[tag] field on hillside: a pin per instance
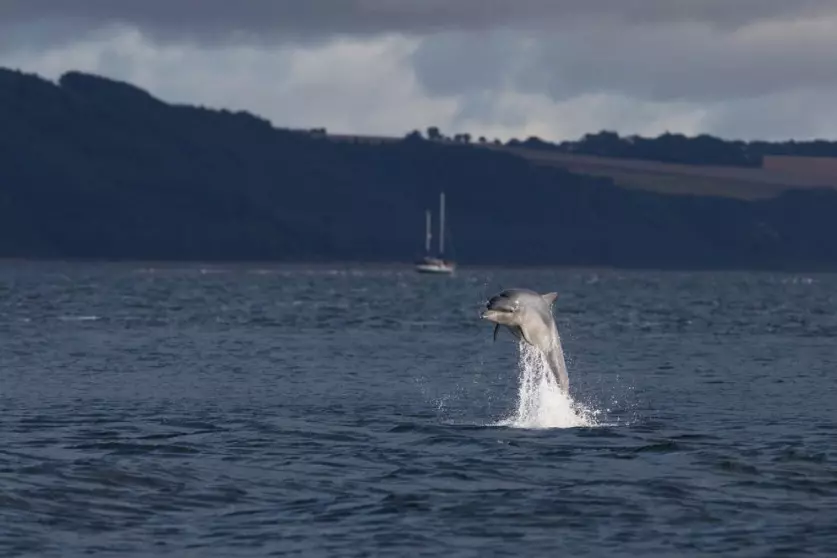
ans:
(733, 182)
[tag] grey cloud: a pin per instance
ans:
(668, 50)
(747, 65)
(464, 63)
(680, 62)
(484, 106)
(225, 19)
(801, 114)
(685, 64)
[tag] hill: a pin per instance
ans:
(703, 165)
(776, 175)
(94, 168)
(767, 175)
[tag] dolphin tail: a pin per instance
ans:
(559, 369)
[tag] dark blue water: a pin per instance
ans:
(359, 412)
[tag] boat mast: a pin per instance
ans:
(441, 224)
(427, 234)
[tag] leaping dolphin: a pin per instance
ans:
(528, 315)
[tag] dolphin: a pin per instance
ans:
(528, 315)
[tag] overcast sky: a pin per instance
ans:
(502, 68)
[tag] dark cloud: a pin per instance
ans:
(668, 50)
(742, 68)
(301, 18)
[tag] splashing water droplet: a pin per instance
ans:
(540, 402)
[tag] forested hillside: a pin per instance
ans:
(92, 168)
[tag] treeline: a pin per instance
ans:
(93, 168)
(703, 149)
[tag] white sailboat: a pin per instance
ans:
(436, 265)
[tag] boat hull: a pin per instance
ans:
(435, 269)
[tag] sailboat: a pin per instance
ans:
(430, 264)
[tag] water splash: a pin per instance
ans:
(540, 402)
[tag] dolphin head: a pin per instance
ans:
(503, 308)
(518, 309)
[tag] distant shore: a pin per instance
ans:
(96, 170)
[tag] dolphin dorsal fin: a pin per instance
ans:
(549, 297)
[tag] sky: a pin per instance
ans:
(556, 69)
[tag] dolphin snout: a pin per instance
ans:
(496, 315)
(490, 309)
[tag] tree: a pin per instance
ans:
(433, 133)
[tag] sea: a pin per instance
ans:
(251, 410)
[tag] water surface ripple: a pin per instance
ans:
(246, 411)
